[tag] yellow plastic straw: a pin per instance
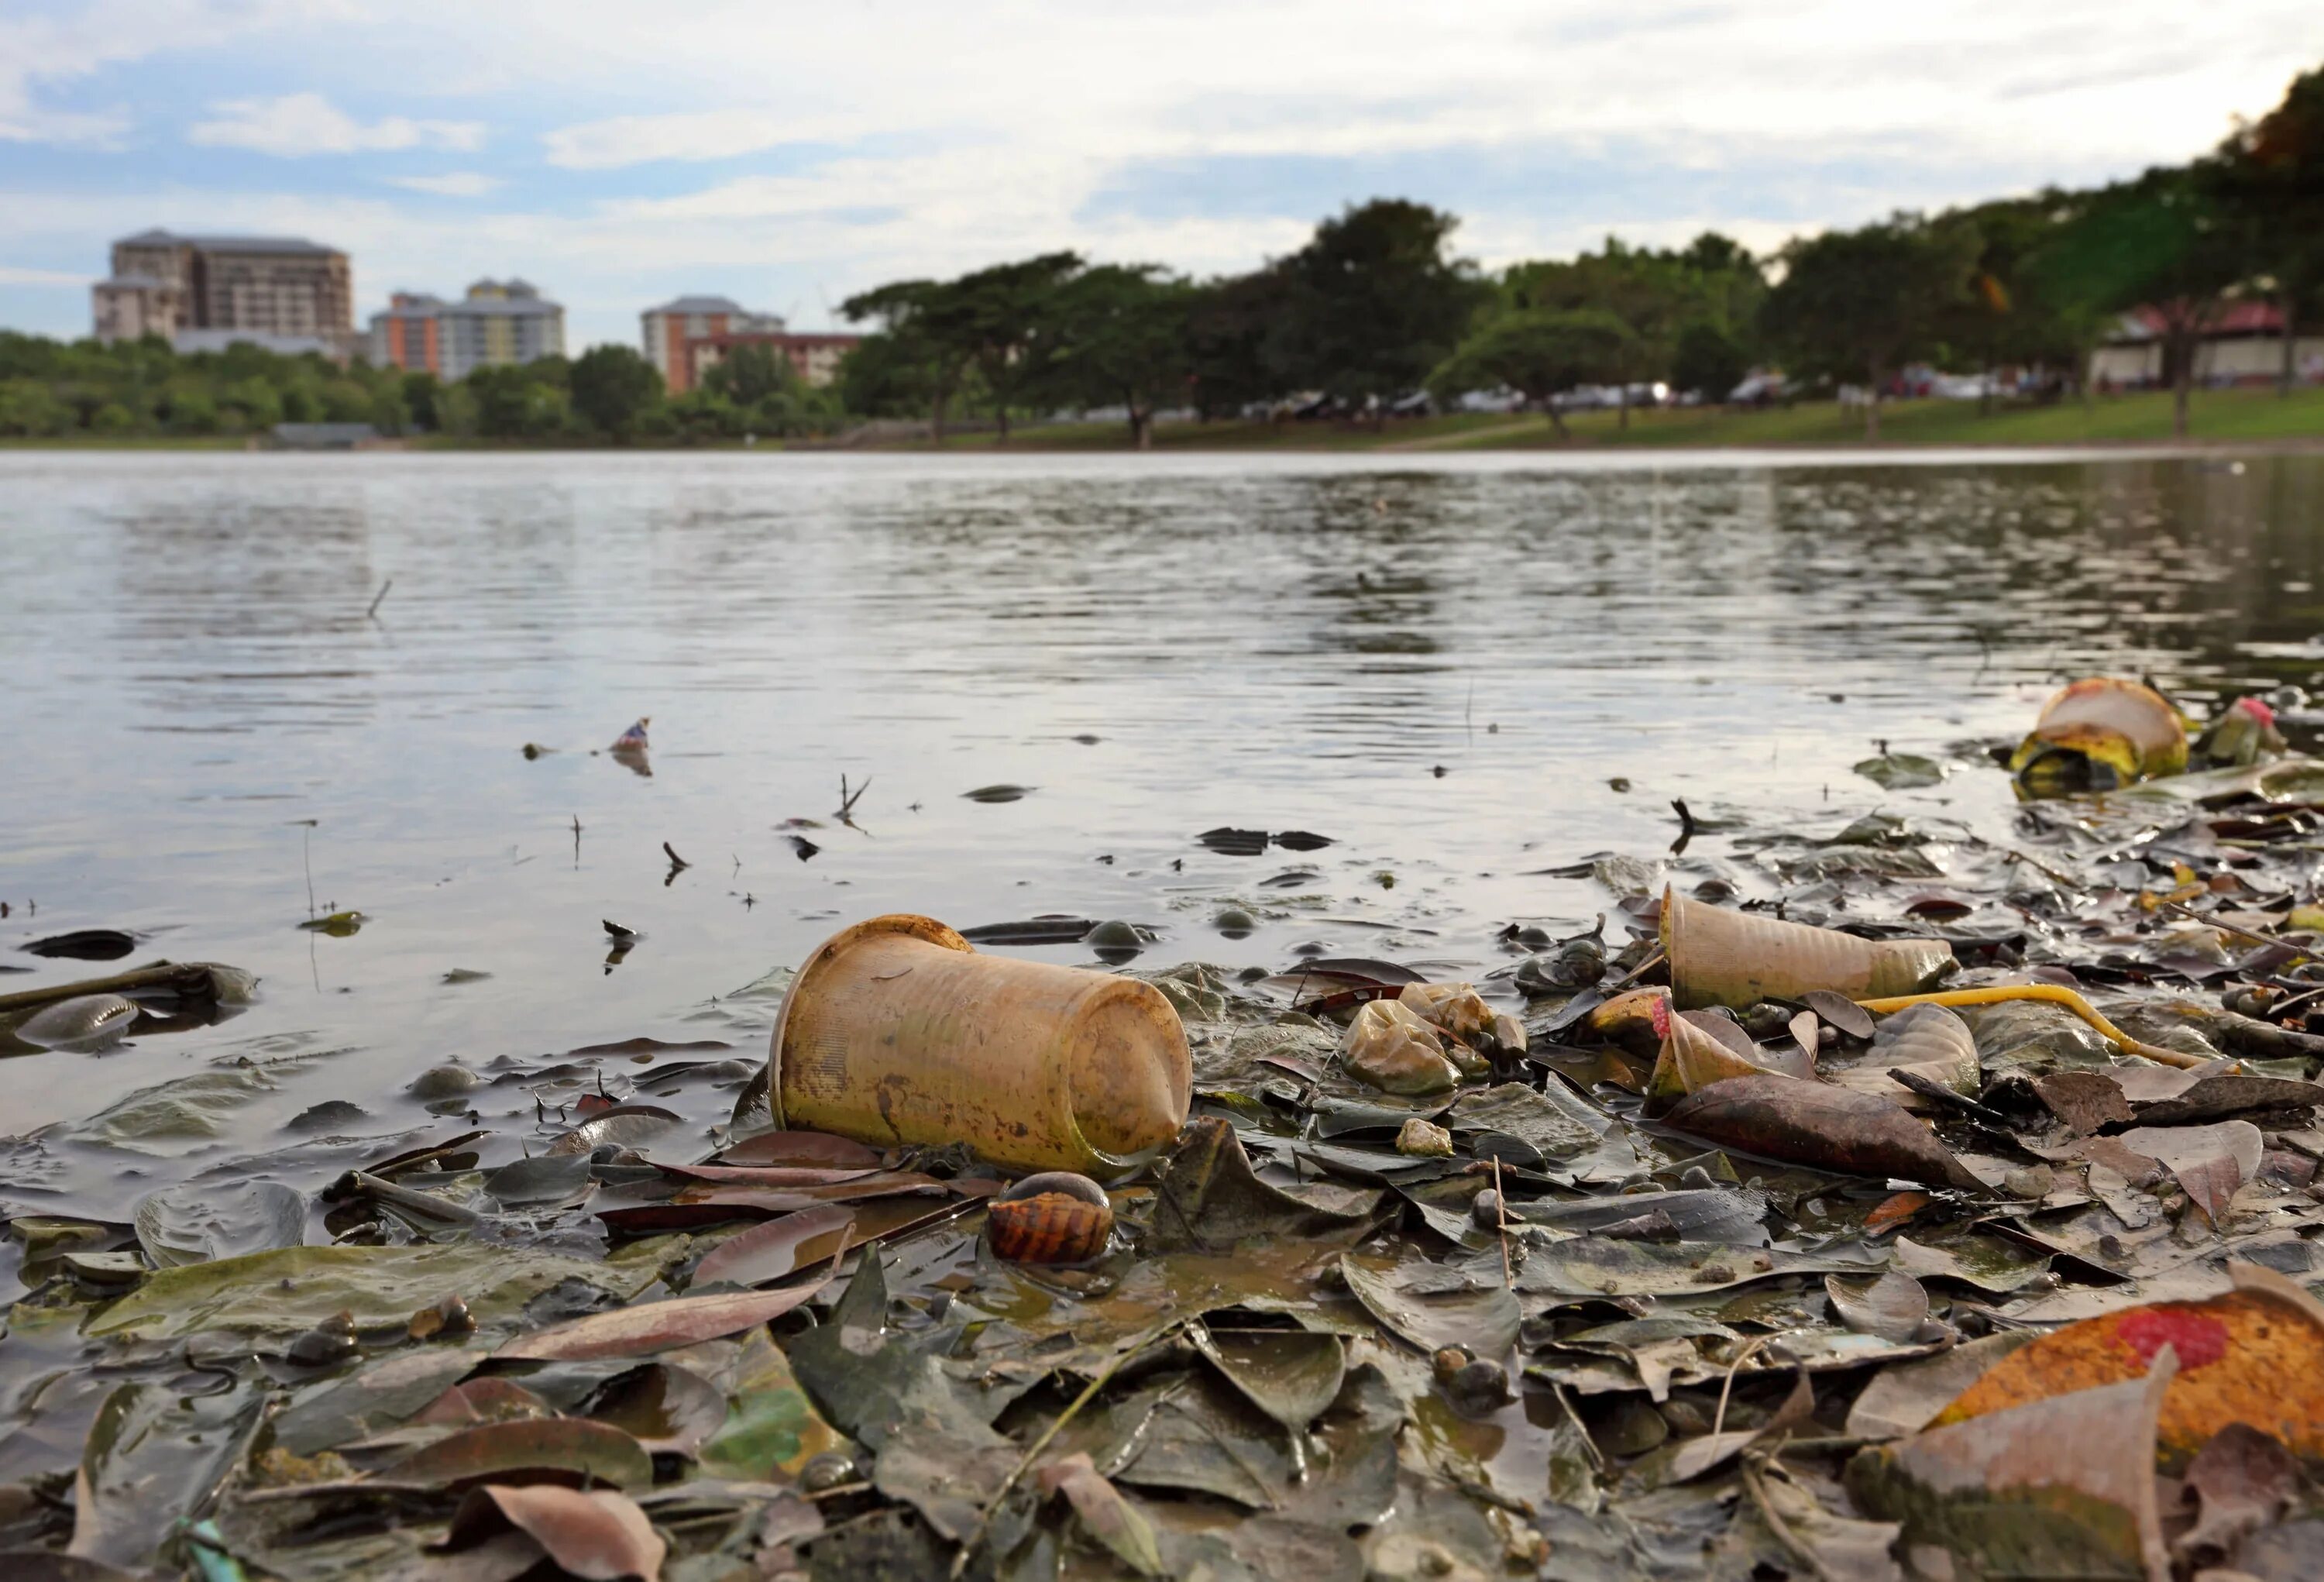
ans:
(2054, 994)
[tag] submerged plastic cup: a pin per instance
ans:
(897, 1031)
(1722, 957)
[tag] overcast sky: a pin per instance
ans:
(786, 155)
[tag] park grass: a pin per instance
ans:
(2238, 417)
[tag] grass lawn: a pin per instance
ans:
(2222, 416)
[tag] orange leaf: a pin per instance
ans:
(2255, 1355)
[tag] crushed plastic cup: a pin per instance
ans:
(898, 1031)
(1722, 957)
(2100, 735)
(1389, 1046)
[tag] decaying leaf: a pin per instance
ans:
(2062, 1486)
(2255, 1355)
(1812, 1124)
(556, 1448)
(594, 1534)
(657, 1326)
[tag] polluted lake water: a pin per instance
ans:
(1610, 1074)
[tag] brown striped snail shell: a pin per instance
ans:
(1053, 1217)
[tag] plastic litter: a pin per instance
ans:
(897, 1031)
(1390, 1047)
(2098, 735)
(1720, 957)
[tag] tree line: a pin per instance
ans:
(608, 393)
(1376, 308)
(1373, 313)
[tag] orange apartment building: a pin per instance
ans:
(685, 340)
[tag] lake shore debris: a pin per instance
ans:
(1870, 1228)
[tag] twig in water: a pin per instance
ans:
(372, 612)
(847, 800)
(676, 861)
(1501, 1221)
(1685, 825)
(1718, 1418)
(1032, 1453)
(2245, 935)
(1780, 1528)
(307, 859)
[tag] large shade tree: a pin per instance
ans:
(2270, 176)
(1373, 303)
(1540, 353)
(1860, 304)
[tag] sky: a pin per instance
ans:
(619, 153)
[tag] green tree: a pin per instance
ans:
(1708, 360)
(888, 375)
(750, 372)
(1541, 353)
(613, 388)
(421, 390)
(1373, 303)
(1230, 324)
(29, 409)
(1007, 317)
(1122, 333)
(2270, 177)
(923, 332)
(2163, 243)
(1861, 304)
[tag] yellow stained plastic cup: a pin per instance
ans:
(1722, 957)
(897, 1031)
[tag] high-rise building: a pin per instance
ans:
(272, 289)
(670, 326)
(497, 323)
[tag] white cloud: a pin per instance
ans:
(10, 276)
(294, 125)
(692, 134)
(451, 183)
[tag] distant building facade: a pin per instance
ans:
(814, 359)
(164, 283)
(2243, 345)
(498, 322)
(670, 328)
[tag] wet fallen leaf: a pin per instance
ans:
(338, 925)
(2255, 1355)
(769, 1427)
(1418, 1310)
(665, 1409)
(1810, 1124)
(85, 945)
(2237, 1484)
(998, 793)
(1107, 1517)
(657, 1326)
(560, 1447)
(1290, 1374)
(1206, 1197)
(2208, 1162)
(594, 1534)
(802, 1150)
(150, 1454)
(294, 1287)
(196, 1222)
(376, 1396)
(2056, 1487)
(1894, 1307)
(1906, 1397)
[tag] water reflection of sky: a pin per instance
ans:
(1275, 642)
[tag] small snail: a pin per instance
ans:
(1053, 1217)
(333, 1340)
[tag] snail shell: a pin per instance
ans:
(1054, 1218)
